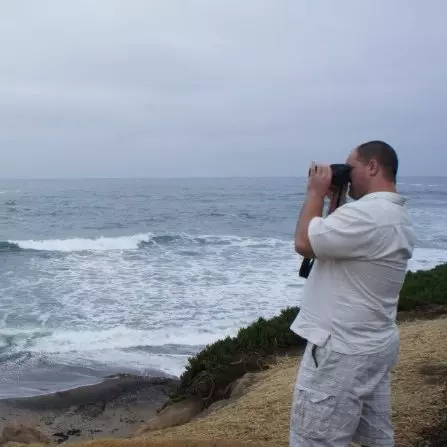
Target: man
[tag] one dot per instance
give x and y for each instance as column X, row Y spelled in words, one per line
column 349, row 303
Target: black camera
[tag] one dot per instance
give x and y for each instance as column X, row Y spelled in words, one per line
column 341, row 174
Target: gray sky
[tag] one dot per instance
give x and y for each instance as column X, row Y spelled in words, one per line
column 218, row 87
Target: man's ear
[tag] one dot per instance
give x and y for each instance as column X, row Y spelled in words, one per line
column 373, row 167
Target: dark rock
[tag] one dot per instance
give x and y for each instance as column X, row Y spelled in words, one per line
column 91, row 410
column 74, row 432
column 62, row 437
column 96, row 395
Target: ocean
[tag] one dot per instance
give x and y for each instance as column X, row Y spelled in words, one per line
column 99, row 277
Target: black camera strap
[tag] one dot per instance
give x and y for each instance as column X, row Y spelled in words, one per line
column 306, row 267
column 339, row 197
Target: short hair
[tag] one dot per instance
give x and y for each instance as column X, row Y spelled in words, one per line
column 384, row 154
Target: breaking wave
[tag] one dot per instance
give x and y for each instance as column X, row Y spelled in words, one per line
column 135, row 242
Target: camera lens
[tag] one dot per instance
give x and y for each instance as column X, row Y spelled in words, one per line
column 341, row 174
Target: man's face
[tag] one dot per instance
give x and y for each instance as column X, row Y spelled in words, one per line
column 359, row 176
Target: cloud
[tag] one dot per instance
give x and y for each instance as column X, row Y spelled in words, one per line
column 193, row 88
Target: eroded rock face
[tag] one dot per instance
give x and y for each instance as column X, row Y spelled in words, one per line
column 233, row 392
column 240, row 386
column 216, row 406
column 175, row 414
column 183, row 412
column 21, row 434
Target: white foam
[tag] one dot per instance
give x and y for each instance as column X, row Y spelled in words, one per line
column 18, row 339
column 106, row 305
column 108, row 347
column 122, row 337
column 79, row 244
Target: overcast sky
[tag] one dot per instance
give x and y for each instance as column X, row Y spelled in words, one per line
column 218, row 87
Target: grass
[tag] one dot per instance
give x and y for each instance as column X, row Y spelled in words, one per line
column 172, row 443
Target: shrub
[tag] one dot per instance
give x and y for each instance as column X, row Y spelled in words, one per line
column 424, row 288
column 209, row 373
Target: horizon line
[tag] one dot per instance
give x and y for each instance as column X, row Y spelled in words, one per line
column 223, row 177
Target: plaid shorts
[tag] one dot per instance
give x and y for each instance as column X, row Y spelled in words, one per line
column 339, row 399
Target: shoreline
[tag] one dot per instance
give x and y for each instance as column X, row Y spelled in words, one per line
column 32, row 374
column 114, row 407
column 92, row 382
column 96, row 379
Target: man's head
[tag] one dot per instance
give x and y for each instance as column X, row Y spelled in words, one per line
column 374, row 168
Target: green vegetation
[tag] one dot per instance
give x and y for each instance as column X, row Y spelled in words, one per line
column 209, row 374
column 424, row 288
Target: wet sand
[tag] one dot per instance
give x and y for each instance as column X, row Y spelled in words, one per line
column 115, row 408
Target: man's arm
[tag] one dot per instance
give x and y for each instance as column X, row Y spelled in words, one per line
column 350, row 232
column 313, row 207
column 317, row 187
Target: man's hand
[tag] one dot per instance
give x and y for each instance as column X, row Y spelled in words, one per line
column 319, row 182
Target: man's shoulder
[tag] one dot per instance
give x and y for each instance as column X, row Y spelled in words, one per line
column 373, row 208
column 356, row 210
column 375, row 214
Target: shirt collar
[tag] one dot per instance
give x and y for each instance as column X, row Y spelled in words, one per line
column 386, row 195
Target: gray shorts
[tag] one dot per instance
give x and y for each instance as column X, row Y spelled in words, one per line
column 339, row 399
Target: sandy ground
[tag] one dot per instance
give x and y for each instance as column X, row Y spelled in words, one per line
column 259, row 418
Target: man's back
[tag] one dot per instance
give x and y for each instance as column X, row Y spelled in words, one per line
column 362, row 252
